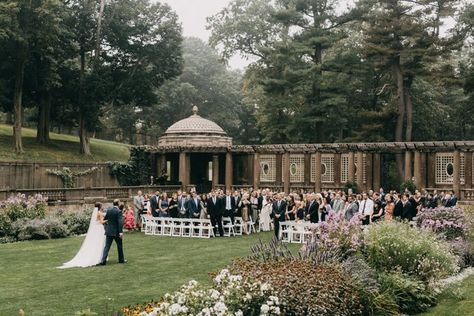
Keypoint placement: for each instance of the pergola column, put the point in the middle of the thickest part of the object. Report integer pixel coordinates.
(307, 168)
(418, 170)
(215, 170)
(457, 172)
(431, 169)
(286, 173)
(408, 170)
(360, 170)
(468, 169)
(317, 180)
(256, 170)
(376, 165)
(350, 167)
(228, 171)
(183, 170)
(337, 170)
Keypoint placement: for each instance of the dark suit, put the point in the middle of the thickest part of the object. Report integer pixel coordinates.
(237, 209)
(407, 211)
(214, 210)
(278, 210)
(312, 211)
(228, 212)
(194, 208)
(113, 229)
(154, 206)
(182, 204)
(452, 202)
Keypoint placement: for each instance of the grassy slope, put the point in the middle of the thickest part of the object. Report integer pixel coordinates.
(156, 265)
(63, 148)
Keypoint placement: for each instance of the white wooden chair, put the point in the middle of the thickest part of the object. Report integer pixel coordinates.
(238, 225)
(186, 228)
(285, 231)
(167, 226)
(206, 229)
(251, 225)
(177, 230)
(228, 227)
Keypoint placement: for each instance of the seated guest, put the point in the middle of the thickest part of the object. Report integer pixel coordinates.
(431, 201)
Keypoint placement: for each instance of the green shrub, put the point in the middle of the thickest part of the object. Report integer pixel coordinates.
(77, 222)
(397, 246)
(26, 229)
(303, 288)
(408, 185)
(56, 228)
(412, 296)
(351, 185)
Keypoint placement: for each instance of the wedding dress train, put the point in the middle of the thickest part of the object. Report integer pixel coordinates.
(90, 253)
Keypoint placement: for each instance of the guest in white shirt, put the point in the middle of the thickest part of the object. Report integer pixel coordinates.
(366, 209)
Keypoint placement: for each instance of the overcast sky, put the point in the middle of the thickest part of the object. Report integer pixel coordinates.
(193, 13)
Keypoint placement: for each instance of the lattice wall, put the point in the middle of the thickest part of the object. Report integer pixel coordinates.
(443, 168)
(345, 168)
(327, 168)
(296, 168)
(267, 168)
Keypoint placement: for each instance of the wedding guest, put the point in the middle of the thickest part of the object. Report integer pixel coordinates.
(194, 206)
(129, 219)
(378, 208)
(312, 207)
(238, 204)
(366, 209)
(451, 200)
(146, 205)
(215, 212)
(337, 203)
(204, 213)
(245, 202)
(407, 209)
(300, 210)
(389, 207)
(352, 207)
(182, 205)
(291, 211)
(138, 205)
(163, 205)
(154, 204)
(173, 206)
(398, 209)
(278, 213)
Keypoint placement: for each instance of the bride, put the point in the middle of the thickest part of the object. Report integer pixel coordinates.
(90, 253)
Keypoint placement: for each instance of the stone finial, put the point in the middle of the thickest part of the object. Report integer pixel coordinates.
(195, 110)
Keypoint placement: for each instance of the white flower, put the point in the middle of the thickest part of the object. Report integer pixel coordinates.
(214, 294)
(264, 309)
(239, 313)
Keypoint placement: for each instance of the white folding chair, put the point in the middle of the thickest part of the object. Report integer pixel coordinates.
(196, 228)
(251, 225)
(158, 226)
(186, 228)
(150, 225)
(297, 233)
(285, 231)
(177, 230)
(167, 226)
(206, 229)
(238, 225)
(228, 227)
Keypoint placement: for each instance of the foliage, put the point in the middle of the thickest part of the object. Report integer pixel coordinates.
(275, 250)
(77, 222)
(351, 185)
(450, 222)
(392, 246)
(19, 207)
(136, 171)
(69, 177)
(409, 186)
(412, 296)
(303, 288)
(374, 300)
(230, 295)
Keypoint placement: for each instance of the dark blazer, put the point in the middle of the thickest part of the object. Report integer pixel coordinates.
(154, 205)
(224, 203)
(279, 211)
(452, 202)
(312, 211)
(398, 209)
(407, 211)
(193, 208)
(237, 208)
(214, 209)
(114, 226)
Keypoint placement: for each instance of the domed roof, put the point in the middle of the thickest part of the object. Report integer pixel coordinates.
(195, 131)
(195, 124)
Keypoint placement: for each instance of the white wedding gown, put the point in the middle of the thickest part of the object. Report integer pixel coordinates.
(90, 253)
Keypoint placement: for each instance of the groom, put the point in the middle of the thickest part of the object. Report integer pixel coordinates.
(113, 231)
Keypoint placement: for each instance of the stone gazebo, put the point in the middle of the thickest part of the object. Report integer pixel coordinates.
(196, 152)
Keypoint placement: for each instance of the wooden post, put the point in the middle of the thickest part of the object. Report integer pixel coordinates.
(278, 171)
(256, 170)
(417, 170)
(360, 171)
(307, 169)
(370, 182)
(317, 180)
(376, 167)
(286, 173)
(408, 170)
(350, 167)
(457, 173)
(215, 170)
(228, 171)
(337, 170)
(183, 170)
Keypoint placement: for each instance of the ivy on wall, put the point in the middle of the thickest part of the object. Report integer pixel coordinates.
(136, 171)
(69, 177)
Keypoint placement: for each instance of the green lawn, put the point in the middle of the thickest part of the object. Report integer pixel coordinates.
(456, 300)
(156, 265)
(63, 148)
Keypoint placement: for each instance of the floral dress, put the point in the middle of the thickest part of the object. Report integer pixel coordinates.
(129, 220)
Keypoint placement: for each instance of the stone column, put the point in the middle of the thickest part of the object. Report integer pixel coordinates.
(215, 170)
(307, 169)
(370, 173)
(457, 173)
(317, 165)
(256, 170)
(228, 171)
(286, 173)
(183, 170)
(468, 169)
(408, 170)
(350, 167)
(417, 170)
(431, 170)
(360, 171)
(376, 165)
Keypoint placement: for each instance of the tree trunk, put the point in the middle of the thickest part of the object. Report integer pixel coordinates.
(409, 115)
(85, 148)
(17, 101)
(42, 135)
(397, 72)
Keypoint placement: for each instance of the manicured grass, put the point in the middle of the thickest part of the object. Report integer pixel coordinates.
(156, 265)
(456, 300)
(63, 148)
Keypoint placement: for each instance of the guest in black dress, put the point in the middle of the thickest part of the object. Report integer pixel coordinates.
(291, 211)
